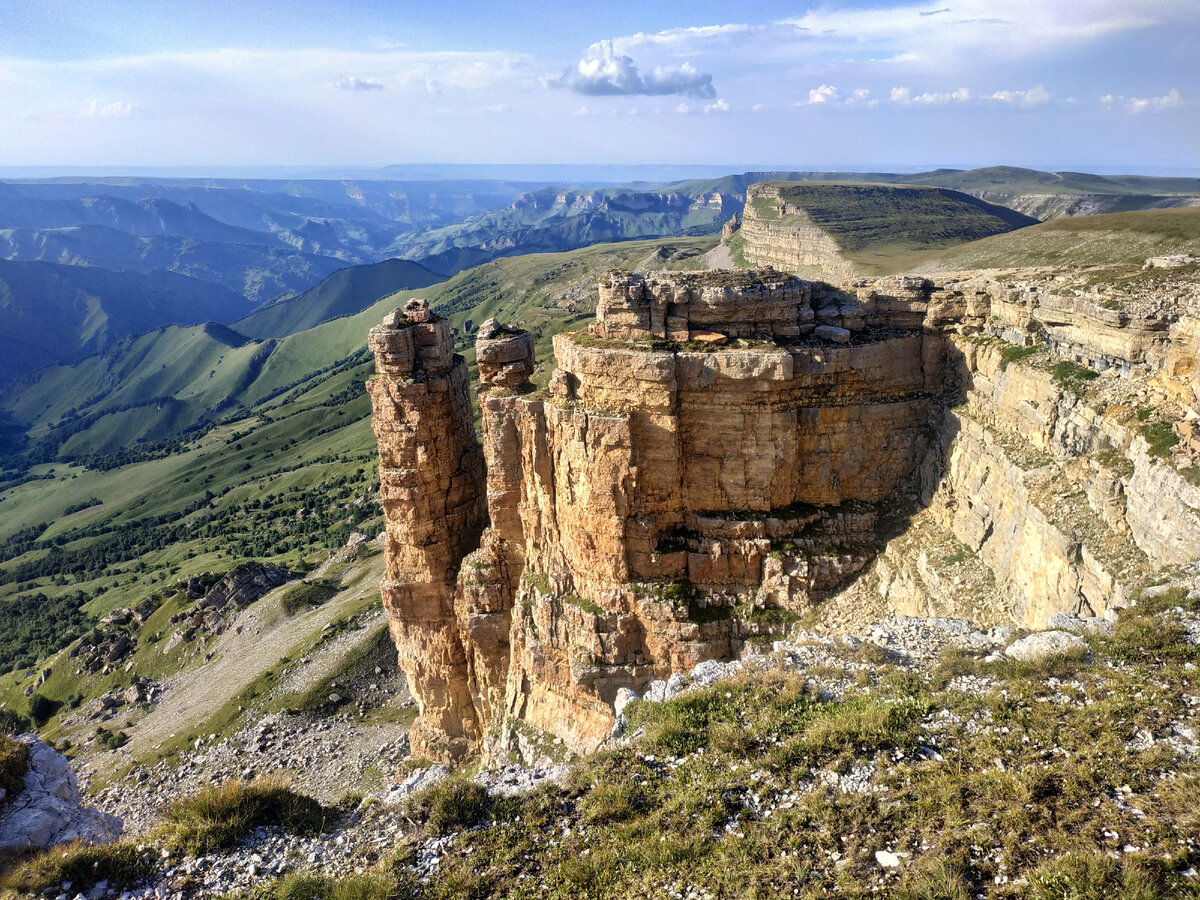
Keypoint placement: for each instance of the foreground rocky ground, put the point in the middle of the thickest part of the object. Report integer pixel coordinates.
(917, 758)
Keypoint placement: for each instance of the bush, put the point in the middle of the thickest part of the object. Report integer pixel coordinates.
(13, 722)
(42, 709)
(1071, 376)
(306, 594)
(452, 805)
(219, 816)
(14, 763)
(1160, 438)
(122, 865)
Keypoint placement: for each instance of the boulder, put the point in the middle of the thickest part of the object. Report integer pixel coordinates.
(47, 811)
(1043, 644)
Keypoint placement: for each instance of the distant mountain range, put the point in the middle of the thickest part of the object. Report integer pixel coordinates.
(183, 251)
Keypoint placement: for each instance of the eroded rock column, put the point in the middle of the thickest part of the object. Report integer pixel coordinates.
(432, 485)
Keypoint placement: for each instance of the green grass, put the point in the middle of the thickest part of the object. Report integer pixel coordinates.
(123, 865)
(1124, 240)
(307, 594)
(1070, 376)
(218, 817)
(871, 223)
(322, 887)
(452, 804)
(1012, 353)
(727, 789)
(1160, 438)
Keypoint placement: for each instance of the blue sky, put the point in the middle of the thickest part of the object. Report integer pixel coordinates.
(1049, 83)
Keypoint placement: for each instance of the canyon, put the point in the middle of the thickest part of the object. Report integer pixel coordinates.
(725, 453)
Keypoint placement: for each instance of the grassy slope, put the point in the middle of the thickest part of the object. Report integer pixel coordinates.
(55, 313)
(305, 446)
(1116, 238)
(873, 223)
(342, 293)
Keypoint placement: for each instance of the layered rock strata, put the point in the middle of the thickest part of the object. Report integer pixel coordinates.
(431, 484)
(721, 450)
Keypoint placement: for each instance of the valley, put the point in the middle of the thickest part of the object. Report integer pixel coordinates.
(791, 517)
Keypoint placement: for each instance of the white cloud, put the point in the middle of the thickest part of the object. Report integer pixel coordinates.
(1035, 96)
(118, 110)
(904, 97)
(1018, 28)
(602, 70)
(695, 35)
(1172, 99)
(359, 84)
(719, 107)
(826, 94)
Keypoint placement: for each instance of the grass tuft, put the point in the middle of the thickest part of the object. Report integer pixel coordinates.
(122, 865)
(218, 817)
(453, 804)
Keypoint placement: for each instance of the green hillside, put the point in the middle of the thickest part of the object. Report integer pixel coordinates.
(283, 469)
(873, 223)
(341, 294)
(57, 314)
(1117, 239)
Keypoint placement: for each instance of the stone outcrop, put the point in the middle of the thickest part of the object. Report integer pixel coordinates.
(722, 450)
(780, 234)
(47, 811)
(431, 481)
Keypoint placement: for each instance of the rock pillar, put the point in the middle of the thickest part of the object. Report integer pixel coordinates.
(431, 478)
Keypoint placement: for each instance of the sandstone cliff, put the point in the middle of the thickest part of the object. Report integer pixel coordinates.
(839, 229)
(722, 450)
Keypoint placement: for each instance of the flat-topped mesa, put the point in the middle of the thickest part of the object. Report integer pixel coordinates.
(725, 449)
(432, 487)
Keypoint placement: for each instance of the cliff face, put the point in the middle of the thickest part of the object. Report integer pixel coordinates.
(722, 450)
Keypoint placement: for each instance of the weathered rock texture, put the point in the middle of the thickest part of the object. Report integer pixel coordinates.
(47, 811)
(722, 450)
(431, 482)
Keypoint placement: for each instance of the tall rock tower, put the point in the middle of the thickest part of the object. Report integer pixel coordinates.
(431, 477)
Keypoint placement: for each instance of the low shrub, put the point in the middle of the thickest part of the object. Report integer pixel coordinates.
(42, 709)
(452, 804)
(1160, 438)
(307, 594)
(219, 816)
(14, 763)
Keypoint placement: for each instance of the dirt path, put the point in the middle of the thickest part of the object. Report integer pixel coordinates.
(194, 695)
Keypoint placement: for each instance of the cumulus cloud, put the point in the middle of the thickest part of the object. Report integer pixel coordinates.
(829, 95)
(1035, 96)
(118, 110)
(359, 84)
(719, 107)
(603, 71)
(1170, 100)
(905, 97)
(826, 93)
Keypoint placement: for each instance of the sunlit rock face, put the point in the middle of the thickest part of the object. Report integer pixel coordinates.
(722, 450)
